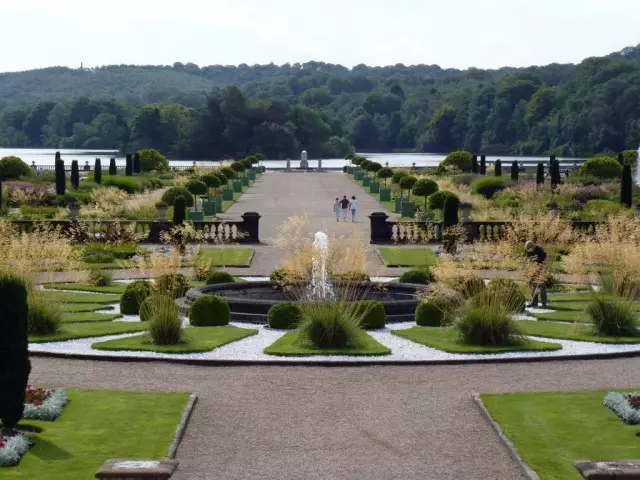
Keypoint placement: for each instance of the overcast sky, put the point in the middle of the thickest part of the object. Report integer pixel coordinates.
(450, 33)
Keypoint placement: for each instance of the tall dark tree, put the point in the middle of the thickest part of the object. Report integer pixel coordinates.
(75, 174)
(113, 169)
(555, 173)
(620, 158)
(498, 167)
(60, 178)
(136, 163)
(474, 164)
(14, 355)
(514, 171)
(97, 171)
(540, 174)
(179, 210)
(483, 165)
(626, 186)
(128, 170)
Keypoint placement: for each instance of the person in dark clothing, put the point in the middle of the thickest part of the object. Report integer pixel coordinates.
(344, 203)
(536, 254)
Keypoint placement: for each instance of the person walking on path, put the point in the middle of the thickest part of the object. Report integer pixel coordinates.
(354, 207)
(337, 208)
(344, 204)
(537, 255)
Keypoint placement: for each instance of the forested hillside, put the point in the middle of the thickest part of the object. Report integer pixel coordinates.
(186, 110)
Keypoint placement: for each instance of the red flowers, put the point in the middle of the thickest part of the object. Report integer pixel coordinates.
(36, 396)
(634, 401)
(3, 441)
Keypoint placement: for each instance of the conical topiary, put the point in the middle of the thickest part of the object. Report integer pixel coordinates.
(626, 186)
(514, 171)
(113, 169)
(498, 168)
(483, 165)
(75, 174)
(97, 171)
(474, 164)
(60, 178)
(128, 170)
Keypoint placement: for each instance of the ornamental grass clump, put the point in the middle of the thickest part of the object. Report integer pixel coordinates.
(163, 315)
(44, 316)
(486, 320)
(613, 316)
(329, 324)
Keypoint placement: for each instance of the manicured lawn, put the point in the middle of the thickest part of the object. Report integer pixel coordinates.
(82, 307)
(195, 339)
(569, 331)
(573, 306)
(408, 257)
(86, 330)
(447, 340)
(569, 297)
(289, 345)
(227, 256)
(83, 317)
(85, 287)
(72, 297)
(552, 430)
(98, 425)
(570, 316)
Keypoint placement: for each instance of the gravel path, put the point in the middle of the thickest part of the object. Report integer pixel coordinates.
(361, 422)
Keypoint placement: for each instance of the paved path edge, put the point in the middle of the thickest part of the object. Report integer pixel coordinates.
(182, 426)
(511, 448)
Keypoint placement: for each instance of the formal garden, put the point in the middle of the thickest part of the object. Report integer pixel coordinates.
(323, 304)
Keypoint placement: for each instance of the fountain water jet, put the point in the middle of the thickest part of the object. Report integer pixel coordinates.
(320, 288)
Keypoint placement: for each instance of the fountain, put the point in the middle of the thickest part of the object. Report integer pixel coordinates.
(320, 288)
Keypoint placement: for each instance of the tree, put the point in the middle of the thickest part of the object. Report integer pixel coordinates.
(179, 210)
(60, 177)
(450, 211)
(460, 159)
(423, 188)
(540, 174)
(75, 175)
(128, 169)
(498, 168)
(97, 171)
(152, 159)
(474, 164)
(374, 167)
(483, 165)
(385, 173)
(555, 173)
(626, 186)
(136, 163)
(113, 169)
(12, 168)
(406, 183)
(514, 170)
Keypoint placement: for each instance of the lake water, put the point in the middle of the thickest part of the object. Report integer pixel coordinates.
(47, 156)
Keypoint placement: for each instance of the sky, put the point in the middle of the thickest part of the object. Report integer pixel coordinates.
(450, 33)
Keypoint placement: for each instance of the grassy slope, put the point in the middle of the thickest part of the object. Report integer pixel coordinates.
(98, 425)
(408, 257)
(195, 339)
(446, 339)
(87, 330)
(551, 430)
(569, 331)
(287, 346)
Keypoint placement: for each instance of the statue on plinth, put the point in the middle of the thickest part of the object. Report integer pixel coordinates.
(288, 169)
(304, 163)
(320, 164)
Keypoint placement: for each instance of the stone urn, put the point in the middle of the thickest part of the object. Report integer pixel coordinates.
(74, 210)
(465, 211)
(162, 208)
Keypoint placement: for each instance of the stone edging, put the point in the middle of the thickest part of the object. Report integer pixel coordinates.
(182, 426)
(528, 472)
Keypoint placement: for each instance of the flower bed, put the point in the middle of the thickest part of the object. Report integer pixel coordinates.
(42, 404)
(12, 449)
(625, 405)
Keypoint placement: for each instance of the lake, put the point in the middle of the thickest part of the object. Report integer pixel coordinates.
(44, 156)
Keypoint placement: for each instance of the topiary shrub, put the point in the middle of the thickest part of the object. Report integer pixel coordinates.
(284, 316)
(12, 168)
(460, 159)
(353, 276)
(420, 276)
(172, 284)
(238, 167)
(613, 316)
(211, 180)
(14, 354)
(44, 318)
(219, 277)
(602, 167)
(229, 173)
(407, 182)
(398, 175)
(133, 296)
(436, 201)
(179, 211)
(488, 186)
(509, 292)
(433, 312)
(197, 187)
(371, 313)
(151, 159)
(209, 311)
(279, 275)
(100, 278)
(425, 187)
(169, 197)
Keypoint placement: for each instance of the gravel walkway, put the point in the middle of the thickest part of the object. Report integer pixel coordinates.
(320, 423)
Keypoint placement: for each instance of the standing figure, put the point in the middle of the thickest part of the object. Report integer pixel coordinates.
(354, 208)
(337, 208)
(344, 204)
(536, 254)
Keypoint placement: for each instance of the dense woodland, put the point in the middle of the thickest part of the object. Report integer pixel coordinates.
(228, 111)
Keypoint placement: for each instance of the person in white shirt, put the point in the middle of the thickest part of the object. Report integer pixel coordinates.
(354, 207)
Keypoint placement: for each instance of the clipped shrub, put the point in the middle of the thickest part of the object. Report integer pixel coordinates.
(211, 180)
(14, 354)
(100, 278)
(420, 276)
(133, 296)
(172, 284)
(488, 186)
(540, 174)
(602, 167)
(436, 201)
(279, 275)
(128, 184)
(229, 173)
(219, 277)
(238, 167)
(94, 258)
(425, 187)
(128, 169)
(353, 276)
(179, 211)
(169, 196)
(613, 316)
(197, 187)
(460, 159)
(385, 173)
(371, 313)
(209, 311)
(12, 168)
(509, 292)
(450, 211)
(433, 312)
(97, 171)
(486, 321)
(407, 182)
(398, 175)
(284, 316)
(498, 168)
(151, 159)
(44, 318)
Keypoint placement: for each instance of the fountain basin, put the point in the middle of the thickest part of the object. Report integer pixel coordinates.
(251, 301)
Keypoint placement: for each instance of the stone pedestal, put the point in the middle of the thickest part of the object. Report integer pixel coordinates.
(609, 470)
(252, 226)
(379, 227)
(137, 469)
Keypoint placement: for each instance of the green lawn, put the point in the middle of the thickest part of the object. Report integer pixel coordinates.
(86, 330)
(72, 297)
(289, 345)
(195, 339)
(573, 306)
(227, 256)
(447, 339)
(569, 297)
(84, 317)
(82, 307)
(569, 331)
(408, 257)
(98, 425)
(118, 287)
(570, 316)
(552, 430)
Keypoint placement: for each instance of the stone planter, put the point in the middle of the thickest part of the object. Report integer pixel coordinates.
(408, 209)
(366, 181)
(162, 209)
(209, 208)
(227, 193)
(245, 181)
(398, 205)
(374, 187)
(237, 187)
